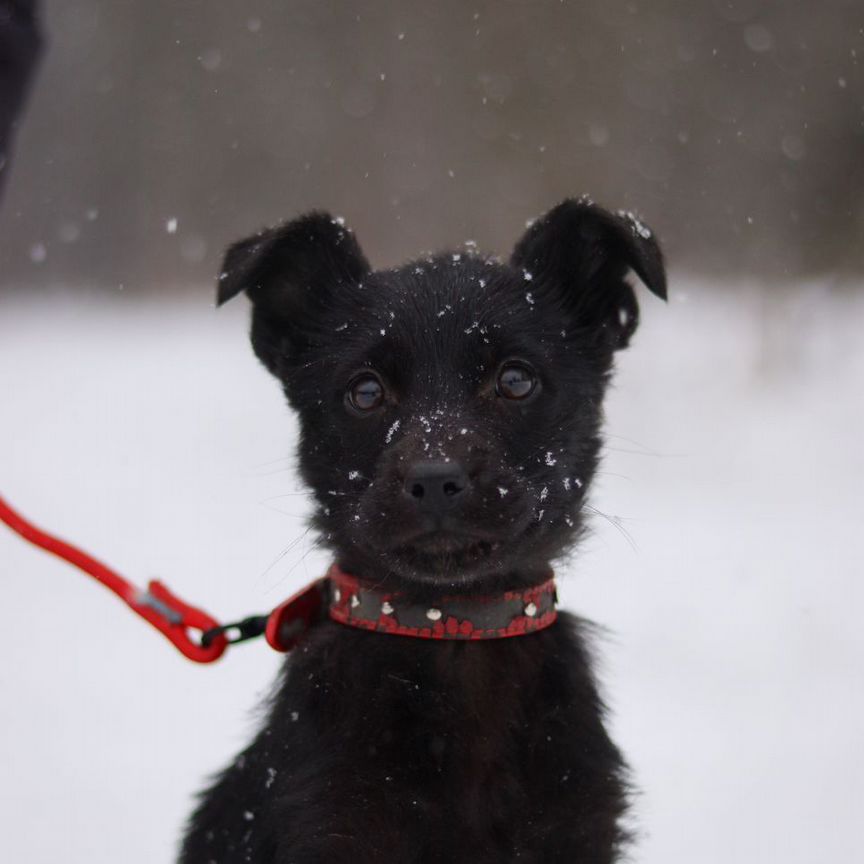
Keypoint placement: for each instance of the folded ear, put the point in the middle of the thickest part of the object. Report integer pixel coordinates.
(289, 273)
(582, 253)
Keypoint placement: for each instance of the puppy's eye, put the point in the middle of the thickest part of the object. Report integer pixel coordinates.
(365, 393)
(516, 381)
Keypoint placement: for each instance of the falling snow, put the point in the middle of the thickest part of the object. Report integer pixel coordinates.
(668, 511)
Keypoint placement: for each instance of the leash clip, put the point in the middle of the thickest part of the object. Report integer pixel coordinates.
(239, 631)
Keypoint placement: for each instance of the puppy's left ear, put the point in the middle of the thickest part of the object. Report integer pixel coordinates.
(579, 254)
(291, 274)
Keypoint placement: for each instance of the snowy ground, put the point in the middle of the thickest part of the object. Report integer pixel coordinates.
(146, 432)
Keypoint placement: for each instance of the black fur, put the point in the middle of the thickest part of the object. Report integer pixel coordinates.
(378, 747)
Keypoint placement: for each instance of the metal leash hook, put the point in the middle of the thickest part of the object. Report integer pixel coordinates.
(239, 631)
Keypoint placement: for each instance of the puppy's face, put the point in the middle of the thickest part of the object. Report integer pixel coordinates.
(449, 408)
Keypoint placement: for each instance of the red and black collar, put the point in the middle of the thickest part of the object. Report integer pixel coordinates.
(368, 606)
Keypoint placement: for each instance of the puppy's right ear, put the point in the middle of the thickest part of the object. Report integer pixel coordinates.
(289, 273)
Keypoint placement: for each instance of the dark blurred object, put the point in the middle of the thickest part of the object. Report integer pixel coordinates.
(166, 129)
(20, 42)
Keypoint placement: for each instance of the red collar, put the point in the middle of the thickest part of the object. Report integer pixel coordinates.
(367, 606)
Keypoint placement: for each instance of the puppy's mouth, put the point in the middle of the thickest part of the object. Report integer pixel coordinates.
(438, 552)
(428, 547)
(448, 543)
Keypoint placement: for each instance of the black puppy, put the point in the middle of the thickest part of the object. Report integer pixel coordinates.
(449, 413)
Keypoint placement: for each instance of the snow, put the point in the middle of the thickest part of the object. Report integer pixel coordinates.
(391, 431)
(638, 228)
(148, 433)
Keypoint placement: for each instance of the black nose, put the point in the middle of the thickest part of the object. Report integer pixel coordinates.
(436, 486)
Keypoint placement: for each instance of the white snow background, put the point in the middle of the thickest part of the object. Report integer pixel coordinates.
(146, 432)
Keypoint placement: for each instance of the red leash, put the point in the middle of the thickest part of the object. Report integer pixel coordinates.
(157, 605)
(173, 618)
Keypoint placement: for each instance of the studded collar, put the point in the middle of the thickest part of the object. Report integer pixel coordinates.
(363, 604)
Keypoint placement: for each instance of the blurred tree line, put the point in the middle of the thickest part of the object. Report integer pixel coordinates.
(159, 131)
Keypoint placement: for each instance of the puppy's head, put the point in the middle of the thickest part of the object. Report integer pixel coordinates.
(450, 408)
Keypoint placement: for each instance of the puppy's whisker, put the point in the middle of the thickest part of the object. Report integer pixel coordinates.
(601, 473)
(315, 544)
(616, 521)
(272, 462)
(285, 470)
(641, 449)
(284, 552)
(286, 495)
(631, 452)
(273, 509)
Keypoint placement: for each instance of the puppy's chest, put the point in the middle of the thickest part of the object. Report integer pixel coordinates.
(431, 715)
(403, 739)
